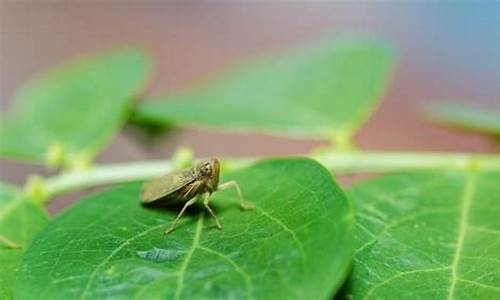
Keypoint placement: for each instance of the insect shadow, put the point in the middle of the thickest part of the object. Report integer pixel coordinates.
(175, 207)
(192, 211)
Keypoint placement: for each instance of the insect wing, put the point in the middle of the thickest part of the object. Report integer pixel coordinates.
(165, 185)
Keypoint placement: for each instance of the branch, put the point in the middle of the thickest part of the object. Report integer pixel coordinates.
(339, 163)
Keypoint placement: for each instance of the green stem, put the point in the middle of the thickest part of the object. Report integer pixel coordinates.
(339, 163)
(377, 162)
(103, 175)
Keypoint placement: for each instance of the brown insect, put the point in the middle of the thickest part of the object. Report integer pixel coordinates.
(186, 185)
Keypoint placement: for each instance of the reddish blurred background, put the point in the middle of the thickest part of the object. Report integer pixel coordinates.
(447, 50)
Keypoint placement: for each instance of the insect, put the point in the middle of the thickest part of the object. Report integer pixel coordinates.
(186, 185)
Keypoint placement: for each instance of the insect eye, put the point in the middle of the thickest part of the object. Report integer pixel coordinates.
(206, 169)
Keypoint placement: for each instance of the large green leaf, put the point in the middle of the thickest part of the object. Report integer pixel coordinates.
(466, 116)
(20, 220)
(71, 112)
(427, 236)
(323, 91)
(296, 244)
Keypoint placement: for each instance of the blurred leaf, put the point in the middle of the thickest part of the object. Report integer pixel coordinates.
(321, 92)
(427, 236)
(68, 114)
(20, 220)
(466, 116)
(297, 243)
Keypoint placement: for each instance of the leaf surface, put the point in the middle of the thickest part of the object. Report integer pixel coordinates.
(20, 220)
(72, 111)
(321, 91)
(466, 116)
(296, 244)
(427, 236)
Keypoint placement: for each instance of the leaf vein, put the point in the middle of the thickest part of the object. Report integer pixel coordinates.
(485, 286)
(185, 263)
(397, 222)
(483, 229)
(469, 191)
(238, 268)
(81, 231)
(285, 228)
(482, 258)
(380, 284)
(10, 206)
(113, 253)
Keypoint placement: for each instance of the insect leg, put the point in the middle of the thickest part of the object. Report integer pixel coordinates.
(8, 242)
(174, 223)
(193, 186)
(205, 202)
(243, 203)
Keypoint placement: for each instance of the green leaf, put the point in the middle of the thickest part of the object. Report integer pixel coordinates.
(427, 236)
(323, 91)
(68, 114)
(297, 243)
(20, 220)
(466, 116)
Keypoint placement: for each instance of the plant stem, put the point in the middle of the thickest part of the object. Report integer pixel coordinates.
(103, 175)
(377, 162)
(339, 163)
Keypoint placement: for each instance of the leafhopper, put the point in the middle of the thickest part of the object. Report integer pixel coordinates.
(186, 185)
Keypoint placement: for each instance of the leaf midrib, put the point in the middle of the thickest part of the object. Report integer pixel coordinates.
(285, 228)
(463, 225)
(246, 277)
(185, 263)
(105, 260)
(10, 207)
(469, 191)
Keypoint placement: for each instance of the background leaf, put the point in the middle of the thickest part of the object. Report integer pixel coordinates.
(72, 111)
(20, 220)
(427, 236)
(466, 116)
(297, 243)
(323, 91)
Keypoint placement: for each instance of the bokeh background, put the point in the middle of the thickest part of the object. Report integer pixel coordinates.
(448, 50)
